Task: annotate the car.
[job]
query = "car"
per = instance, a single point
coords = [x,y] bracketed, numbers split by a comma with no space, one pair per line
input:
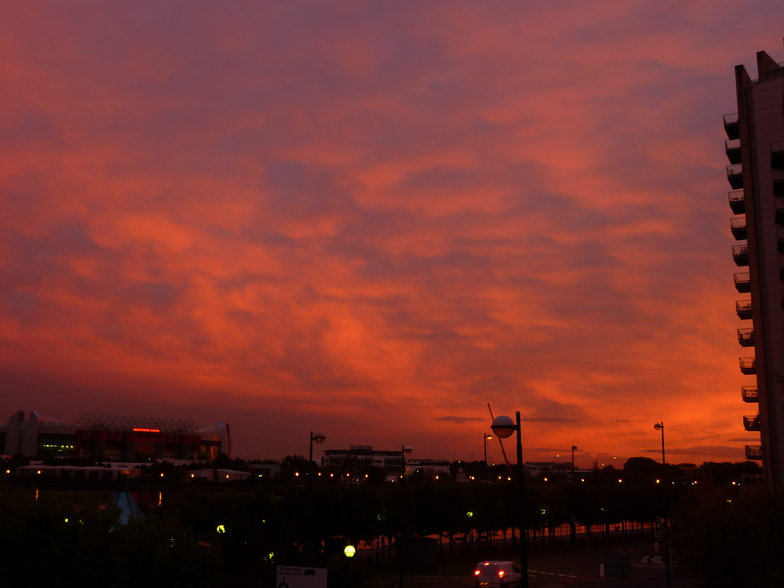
[497,574]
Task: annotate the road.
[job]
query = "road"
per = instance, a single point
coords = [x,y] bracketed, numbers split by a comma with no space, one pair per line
[564,566]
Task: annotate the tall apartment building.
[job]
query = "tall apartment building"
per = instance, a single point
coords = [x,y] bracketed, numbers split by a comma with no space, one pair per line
[755,148]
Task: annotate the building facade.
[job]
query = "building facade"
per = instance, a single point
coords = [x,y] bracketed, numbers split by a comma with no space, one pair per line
[391,461]
[103,437]
[755,149]
[429,468]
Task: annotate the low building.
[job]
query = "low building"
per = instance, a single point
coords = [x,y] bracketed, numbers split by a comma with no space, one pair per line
[366,455]
[107,472]
[428,468]
[218,475]
[266,471]
[391,461]
[555,469]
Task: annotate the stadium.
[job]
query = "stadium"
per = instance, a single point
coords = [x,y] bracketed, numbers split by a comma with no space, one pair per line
[113,438]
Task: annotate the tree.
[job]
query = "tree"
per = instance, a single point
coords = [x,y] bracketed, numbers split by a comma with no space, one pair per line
[291,465]
[641,469]
[724,473]
[726,539]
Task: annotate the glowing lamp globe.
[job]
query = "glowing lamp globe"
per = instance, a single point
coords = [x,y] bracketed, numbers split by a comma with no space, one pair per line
[503,426]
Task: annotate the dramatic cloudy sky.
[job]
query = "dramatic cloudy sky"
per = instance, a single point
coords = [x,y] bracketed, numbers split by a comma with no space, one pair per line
[372,219]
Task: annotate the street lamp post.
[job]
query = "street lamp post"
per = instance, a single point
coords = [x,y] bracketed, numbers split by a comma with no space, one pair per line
[403,451]
[485,439]
[660,427]
[573,448]
[349,551]
[318,438]
[572,518]
[503,427]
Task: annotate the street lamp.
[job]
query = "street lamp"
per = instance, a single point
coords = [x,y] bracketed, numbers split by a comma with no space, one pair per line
[660,427]
[318,438]
[349,551]
[503,427]
[485,439]
[403,451]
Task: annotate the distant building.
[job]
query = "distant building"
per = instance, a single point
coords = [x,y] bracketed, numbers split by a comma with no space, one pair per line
[755,149]
[266,471]
[389,460]
[112,472]
[563,469]
[103,437]
[210,474]
[544,468]
[429,468]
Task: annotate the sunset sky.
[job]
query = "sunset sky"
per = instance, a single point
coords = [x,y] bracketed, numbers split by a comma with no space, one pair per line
[371,219]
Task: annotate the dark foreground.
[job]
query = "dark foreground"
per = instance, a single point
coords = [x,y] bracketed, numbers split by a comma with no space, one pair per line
[560,566]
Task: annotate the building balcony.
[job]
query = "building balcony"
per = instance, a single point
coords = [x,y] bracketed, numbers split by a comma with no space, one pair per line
[738,227]
[749,393]
[777,155]
[751,423]
[746,337]
[778,187]
[737,202]
[743,309]
[731,126]
[754,452]
[742,282]
[740,254]
[735,176]
[732,149]
[748,365]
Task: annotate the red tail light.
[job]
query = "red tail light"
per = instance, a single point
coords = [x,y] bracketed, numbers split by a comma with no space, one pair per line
[500,573]
[476,572]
